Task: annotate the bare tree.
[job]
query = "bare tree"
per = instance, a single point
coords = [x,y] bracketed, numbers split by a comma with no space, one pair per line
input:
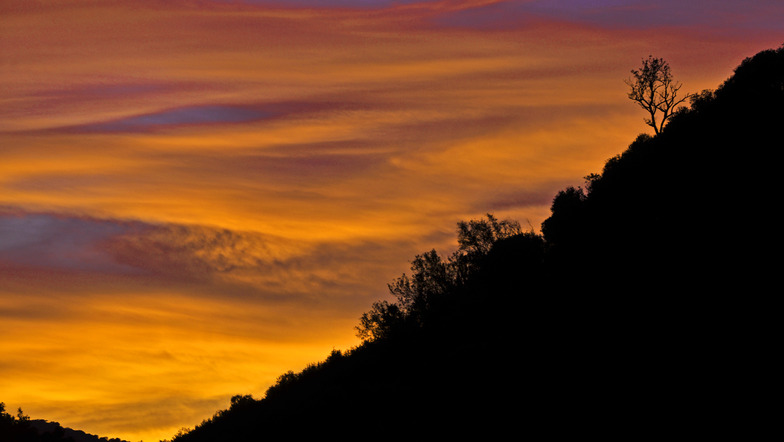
[654,89]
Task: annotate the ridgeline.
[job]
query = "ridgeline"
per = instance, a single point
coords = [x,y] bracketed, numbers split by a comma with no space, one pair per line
[20,428]
[626,318]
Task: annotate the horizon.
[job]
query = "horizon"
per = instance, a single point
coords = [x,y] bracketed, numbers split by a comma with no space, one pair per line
[200,196]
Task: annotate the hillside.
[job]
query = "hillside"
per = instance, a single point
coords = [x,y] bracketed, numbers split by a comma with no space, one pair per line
[619,320]
[691,194]
[20,428]
[43,427]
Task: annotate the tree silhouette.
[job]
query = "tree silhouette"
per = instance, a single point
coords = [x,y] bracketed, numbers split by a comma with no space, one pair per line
[653,88]
[478,236]
[380,322]
[433,279]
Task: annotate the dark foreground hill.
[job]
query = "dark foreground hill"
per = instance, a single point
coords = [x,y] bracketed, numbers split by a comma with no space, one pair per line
[639,313]
[20,428]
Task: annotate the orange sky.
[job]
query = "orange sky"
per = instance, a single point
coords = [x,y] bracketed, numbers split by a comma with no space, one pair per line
[197,196]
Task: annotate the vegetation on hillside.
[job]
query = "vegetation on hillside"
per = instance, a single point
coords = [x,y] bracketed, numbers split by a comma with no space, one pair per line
[20,428]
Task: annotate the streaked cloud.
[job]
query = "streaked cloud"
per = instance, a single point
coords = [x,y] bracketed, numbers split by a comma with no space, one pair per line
[50,241]
[211,114]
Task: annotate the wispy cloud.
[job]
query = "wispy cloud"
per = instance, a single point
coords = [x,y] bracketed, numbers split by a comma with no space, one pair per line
[209,114]
[49,241]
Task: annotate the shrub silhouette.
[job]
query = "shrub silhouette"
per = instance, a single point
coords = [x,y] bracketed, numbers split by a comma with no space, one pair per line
[20,428]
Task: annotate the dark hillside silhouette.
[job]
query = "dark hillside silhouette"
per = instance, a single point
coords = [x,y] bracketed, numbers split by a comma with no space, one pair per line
[672,207]
[628,318]
[20,428]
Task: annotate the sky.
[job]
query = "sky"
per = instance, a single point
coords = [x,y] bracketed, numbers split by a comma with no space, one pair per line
[197,196]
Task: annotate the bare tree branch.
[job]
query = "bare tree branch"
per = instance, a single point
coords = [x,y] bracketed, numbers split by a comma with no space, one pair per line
[654,89]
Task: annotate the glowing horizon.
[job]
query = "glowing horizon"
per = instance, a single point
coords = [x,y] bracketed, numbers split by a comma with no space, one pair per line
[200,196]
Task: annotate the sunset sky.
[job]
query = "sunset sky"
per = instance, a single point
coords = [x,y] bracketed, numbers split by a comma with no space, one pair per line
[199,195]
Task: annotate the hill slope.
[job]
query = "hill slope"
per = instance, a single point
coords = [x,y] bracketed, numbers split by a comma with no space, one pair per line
[690,195]
[626,319]
[20,428]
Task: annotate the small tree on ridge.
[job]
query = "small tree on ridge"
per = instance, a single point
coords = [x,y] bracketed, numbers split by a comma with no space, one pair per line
[653,88]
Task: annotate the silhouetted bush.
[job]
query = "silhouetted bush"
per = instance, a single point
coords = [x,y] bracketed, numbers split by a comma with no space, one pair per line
[20,428]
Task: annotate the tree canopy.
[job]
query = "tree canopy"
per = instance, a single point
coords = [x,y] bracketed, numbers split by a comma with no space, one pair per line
[433,279]
[653,88]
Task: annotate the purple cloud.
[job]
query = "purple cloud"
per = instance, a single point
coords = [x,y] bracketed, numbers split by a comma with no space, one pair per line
[637,14]
[181,116]
[365,4]
[66,243]
[72,243]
